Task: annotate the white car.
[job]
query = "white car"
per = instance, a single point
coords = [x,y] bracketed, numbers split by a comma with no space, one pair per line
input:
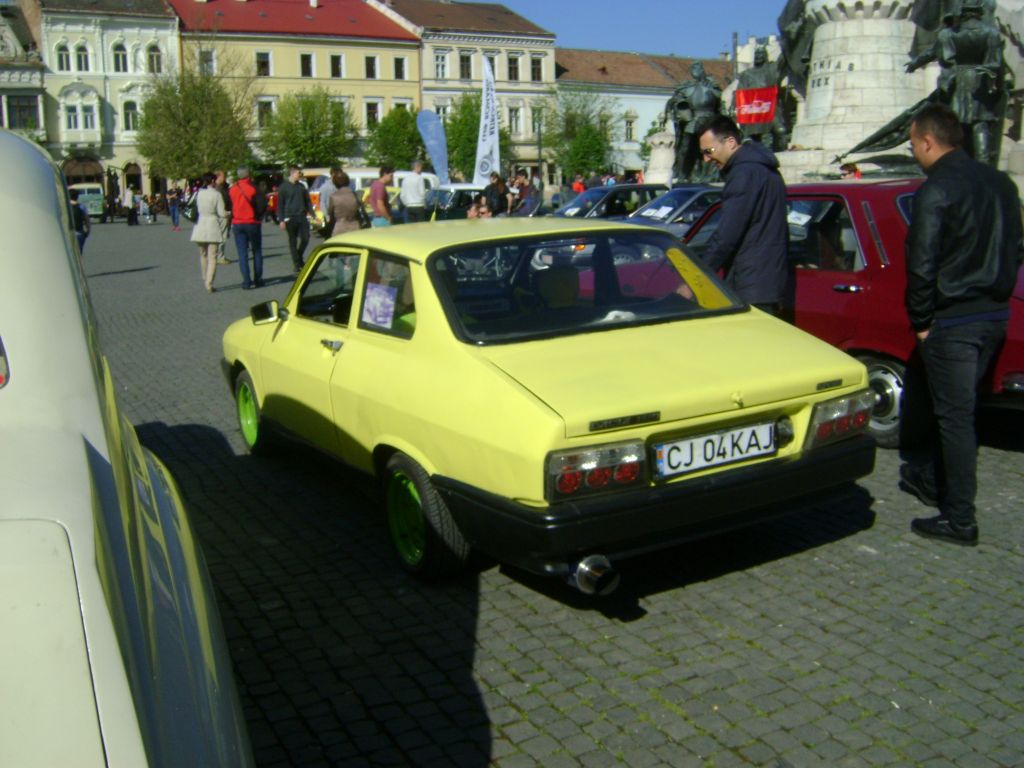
[111,649]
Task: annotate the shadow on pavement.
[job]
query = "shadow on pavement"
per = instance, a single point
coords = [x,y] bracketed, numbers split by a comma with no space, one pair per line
[120,272]
[848,513]
[1001,428]
[340,656]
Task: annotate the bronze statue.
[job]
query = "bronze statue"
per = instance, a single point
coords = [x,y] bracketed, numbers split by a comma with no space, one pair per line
[973,52]
[764,74]
[693,103]
[973,80]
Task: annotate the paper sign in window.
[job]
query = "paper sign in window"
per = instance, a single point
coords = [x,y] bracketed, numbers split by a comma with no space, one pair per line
[379,305]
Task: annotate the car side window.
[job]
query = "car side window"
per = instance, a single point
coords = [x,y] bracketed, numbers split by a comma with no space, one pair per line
[327,293]
[388,305]
[821,236]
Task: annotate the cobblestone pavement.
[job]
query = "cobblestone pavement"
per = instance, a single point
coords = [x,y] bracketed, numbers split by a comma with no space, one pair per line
[834,637]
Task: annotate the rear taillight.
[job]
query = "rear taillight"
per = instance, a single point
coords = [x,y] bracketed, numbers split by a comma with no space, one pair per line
[5,370]
[583,472]
[838,419]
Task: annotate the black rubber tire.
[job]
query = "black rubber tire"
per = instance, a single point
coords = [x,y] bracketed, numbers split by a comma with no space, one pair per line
[442,550]
[887,377]
[258,438]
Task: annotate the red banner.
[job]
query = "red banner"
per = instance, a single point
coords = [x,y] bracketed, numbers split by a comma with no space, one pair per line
[756,105]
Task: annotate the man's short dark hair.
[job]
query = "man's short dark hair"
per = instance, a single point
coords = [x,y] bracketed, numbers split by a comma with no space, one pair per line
[385,170]
[73,194]
[941,122]
[721,128]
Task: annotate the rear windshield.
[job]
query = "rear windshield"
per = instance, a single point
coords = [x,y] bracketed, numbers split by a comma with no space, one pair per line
[541,287]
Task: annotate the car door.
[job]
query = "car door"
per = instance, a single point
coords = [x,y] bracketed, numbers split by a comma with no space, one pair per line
[831,283]
[300,357]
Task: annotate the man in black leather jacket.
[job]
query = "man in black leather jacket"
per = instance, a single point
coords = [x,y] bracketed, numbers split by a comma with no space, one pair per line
[963,252]
[751,239]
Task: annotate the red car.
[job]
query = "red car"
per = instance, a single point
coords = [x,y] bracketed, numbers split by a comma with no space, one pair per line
[846,247]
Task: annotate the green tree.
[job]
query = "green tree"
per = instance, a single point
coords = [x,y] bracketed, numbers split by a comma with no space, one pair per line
[190,124]
[462,130]
[645,147]
[580,131]
[194,120]
[309,128]
[395,140]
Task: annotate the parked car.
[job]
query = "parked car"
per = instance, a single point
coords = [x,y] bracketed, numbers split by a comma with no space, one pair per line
[555,417]
[677,209]
[91,195]
[451,201]
[847,250]
[615,201]
[111,649]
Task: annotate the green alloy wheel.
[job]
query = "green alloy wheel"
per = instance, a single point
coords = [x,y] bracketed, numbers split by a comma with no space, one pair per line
[254,432]
[426,539]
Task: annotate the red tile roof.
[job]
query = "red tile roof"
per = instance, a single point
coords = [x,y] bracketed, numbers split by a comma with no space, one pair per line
[465,17]
[346,18]
[631,69]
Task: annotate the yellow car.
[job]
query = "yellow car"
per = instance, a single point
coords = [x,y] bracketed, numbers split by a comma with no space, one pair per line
[555,394]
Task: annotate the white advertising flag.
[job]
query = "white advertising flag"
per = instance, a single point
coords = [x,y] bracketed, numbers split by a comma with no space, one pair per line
[487,141]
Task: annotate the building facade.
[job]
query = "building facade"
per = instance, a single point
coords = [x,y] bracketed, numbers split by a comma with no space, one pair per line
[97,60]
[21,76]
[457,38]
[638,86]
[360,57]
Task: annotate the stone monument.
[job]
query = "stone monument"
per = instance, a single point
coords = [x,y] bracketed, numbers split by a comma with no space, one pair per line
[855,80]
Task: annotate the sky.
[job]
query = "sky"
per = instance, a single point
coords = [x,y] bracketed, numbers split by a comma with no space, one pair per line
[690,28]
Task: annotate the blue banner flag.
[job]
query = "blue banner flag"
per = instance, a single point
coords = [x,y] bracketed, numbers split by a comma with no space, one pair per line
[432,130]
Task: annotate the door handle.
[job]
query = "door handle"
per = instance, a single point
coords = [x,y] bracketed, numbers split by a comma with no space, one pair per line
[844,288]
[332,344]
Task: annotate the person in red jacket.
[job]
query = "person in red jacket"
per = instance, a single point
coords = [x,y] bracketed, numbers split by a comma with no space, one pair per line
[247,209]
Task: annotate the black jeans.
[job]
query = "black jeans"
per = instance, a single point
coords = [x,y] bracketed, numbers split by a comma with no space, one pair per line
[955,359]
[297,228]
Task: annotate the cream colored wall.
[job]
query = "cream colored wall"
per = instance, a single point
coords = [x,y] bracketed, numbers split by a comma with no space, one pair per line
[237,56]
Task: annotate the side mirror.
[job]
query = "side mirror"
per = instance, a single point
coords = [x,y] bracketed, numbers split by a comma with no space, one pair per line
[267,312]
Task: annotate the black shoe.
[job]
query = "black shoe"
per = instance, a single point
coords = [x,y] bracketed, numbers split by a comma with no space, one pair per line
[916,483]
[248,287]
[941,528]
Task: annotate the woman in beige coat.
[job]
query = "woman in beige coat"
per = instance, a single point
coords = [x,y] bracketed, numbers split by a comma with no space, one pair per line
[209,228]
[344,205]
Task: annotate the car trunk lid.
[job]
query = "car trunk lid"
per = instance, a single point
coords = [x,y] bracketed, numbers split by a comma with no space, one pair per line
[673,371]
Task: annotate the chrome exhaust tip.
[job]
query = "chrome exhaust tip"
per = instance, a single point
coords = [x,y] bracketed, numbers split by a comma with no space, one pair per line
[594,575]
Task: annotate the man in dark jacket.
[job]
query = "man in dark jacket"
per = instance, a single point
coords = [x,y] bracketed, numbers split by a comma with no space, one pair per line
[963,253]
[750,241]
[293,206]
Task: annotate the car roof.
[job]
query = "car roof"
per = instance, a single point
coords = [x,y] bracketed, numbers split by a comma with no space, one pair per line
[46,320]
[459,185]
[417,241]
[860,187]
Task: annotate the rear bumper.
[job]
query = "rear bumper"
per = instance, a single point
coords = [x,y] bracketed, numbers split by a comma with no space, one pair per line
[548,540]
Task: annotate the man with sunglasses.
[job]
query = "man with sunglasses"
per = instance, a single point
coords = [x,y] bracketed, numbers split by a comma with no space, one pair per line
[751,239]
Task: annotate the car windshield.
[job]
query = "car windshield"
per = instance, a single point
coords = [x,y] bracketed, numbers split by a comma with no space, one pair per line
[541,287]
[583,202]
[661,208]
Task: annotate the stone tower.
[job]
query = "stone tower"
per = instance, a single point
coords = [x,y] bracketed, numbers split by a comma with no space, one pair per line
[856,81]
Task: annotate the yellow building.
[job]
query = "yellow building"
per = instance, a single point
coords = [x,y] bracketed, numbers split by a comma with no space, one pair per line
[361,57]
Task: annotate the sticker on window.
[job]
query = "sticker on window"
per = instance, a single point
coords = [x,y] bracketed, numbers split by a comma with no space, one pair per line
[379,305]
